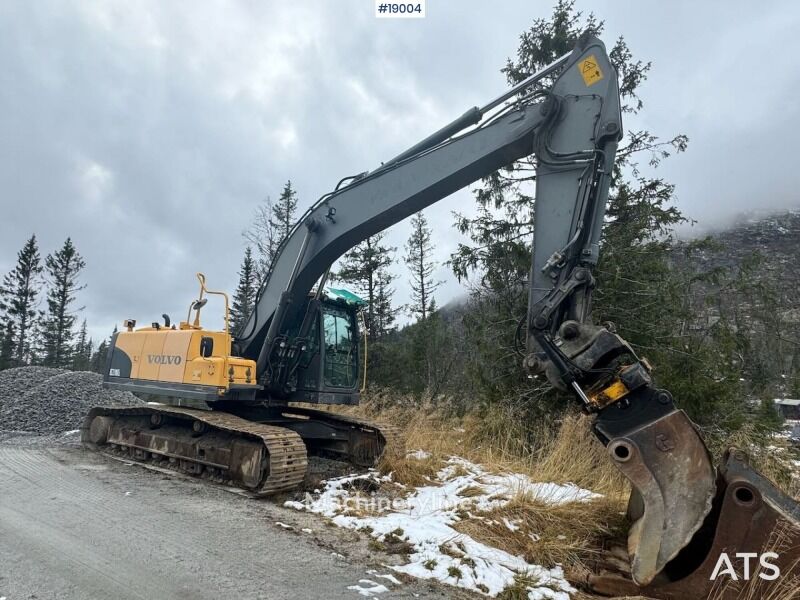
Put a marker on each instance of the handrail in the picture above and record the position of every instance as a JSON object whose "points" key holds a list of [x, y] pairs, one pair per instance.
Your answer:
{"points": [[198, 303]]}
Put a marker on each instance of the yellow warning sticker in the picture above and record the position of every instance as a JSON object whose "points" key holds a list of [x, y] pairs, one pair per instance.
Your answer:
{"points": [[590, 70]]}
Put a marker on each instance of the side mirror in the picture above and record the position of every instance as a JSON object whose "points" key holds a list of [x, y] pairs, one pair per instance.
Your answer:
{"points": [[199, 304], [206, 347]]}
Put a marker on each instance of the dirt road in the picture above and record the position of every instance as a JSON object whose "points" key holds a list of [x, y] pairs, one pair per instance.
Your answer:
{"points": [[77, 525]]}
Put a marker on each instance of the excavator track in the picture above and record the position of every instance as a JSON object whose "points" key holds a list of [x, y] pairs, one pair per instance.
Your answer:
{"points": [[369, 441], [260, 458]]}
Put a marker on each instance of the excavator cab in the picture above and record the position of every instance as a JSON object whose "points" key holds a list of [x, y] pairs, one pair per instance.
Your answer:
{"points": [[329, 368]]}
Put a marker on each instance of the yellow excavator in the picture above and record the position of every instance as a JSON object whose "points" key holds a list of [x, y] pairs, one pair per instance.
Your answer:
{"points": [[219, 401]]}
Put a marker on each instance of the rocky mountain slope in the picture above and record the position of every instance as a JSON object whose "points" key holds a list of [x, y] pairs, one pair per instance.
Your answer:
{"points": [[758, 259]]}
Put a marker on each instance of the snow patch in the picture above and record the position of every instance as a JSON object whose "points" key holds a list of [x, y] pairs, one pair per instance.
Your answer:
{"points": [[386, 576], [419, 454], [283, 525], [426, 518], [512, 526], [368, 588]]}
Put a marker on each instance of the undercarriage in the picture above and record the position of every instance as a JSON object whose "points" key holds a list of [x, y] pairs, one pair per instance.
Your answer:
{"points": [[261, 450]]}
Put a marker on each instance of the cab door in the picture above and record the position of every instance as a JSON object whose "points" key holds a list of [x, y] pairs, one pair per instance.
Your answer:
{"points": [[340, 348]]}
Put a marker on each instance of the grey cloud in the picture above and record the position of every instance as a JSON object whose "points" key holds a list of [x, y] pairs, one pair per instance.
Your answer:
{"points": [[149, 131]]}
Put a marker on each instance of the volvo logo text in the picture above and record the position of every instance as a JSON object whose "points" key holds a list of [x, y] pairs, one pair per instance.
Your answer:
{"points": [[164, 359]]}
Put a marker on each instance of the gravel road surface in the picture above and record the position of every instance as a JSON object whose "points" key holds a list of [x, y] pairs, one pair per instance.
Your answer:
{"points": [[77, 525]]}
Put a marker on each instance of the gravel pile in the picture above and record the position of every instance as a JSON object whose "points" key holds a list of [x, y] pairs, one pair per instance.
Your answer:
{"points": [[48, 401], [15, 382]]}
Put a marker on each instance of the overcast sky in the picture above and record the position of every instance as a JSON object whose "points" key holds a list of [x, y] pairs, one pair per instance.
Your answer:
{"points": [[149, 131]]}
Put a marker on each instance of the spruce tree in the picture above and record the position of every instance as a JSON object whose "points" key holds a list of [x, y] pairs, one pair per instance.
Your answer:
{"points": [[100, 357], [501, 232], [384, 314], [7, 346], [245, 295], [82, 355], [18, 299], [419, 259], [283, 212], [63, 269], [363, 267]]}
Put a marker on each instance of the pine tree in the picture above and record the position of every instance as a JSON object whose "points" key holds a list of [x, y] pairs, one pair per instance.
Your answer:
{"points": [[18, 299], [429, 351], [419, 251], [498, 257], [63, 269], [363, 267], [767, 416], [283, 212], [384, 314], [7, 346], [100, 357], [245, 295], [82, 356]]}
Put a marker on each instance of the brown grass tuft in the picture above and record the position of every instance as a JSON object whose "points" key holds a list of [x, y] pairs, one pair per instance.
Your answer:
{"points": [[410, 471], [548, 534]]}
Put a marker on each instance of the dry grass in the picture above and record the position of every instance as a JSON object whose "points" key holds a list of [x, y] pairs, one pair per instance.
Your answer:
{"points": [[560, 452], [411, 471], [567, 534]]}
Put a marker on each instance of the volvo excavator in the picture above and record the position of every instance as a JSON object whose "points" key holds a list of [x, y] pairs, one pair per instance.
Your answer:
{"points": [[233, 406]]}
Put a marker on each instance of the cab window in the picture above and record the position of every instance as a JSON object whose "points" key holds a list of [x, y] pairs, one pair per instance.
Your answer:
{"points": [[341, 348]]}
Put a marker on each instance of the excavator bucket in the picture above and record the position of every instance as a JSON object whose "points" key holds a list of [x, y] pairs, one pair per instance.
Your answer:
{"points": [[690, 523], [672, 476]]}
